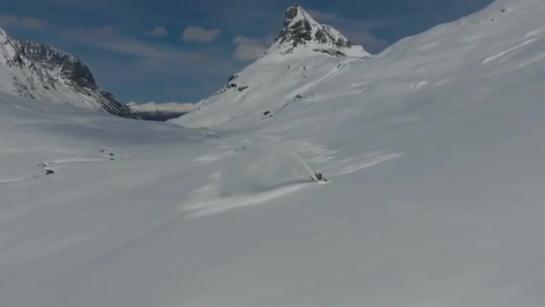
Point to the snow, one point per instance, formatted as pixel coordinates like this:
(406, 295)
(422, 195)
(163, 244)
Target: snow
(172, 107)
(435, 194)
(507, 51)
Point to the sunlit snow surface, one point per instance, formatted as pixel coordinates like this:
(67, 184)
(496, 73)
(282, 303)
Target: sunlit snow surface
(433, 150)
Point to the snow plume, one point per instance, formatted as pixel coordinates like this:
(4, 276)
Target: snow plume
(200, 35)
(304, 167)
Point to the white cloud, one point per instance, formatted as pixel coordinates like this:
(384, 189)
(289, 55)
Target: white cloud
(157, 32)
(102, 33)
(30, 23)
(146, 57)
(110, 39)
(248, 49)
(200, 35)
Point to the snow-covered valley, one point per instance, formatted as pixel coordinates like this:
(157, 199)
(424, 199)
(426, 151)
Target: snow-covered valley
(433, 153)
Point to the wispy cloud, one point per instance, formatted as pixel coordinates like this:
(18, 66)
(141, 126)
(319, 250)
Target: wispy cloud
(248, 49)
(161, 56)
(157, 32)
(200, 35)
(26, 22)
(110, 39)
(168, 69)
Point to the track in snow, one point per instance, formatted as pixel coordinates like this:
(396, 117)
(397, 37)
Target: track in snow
(48, 167)
(218, 195)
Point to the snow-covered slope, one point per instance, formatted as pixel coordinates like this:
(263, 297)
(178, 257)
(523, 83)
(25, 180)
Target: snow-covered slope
(497, 41)
(47, 74)
(160, 111)
(434, 154)
(161, 107)
(304, 54)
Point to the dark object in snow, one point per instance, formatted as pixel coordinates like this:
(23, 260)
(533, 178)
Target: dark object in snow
(299, 97)
(49, 172)
(320, 177)
(233, 77)
(242, 88)
(266, 113)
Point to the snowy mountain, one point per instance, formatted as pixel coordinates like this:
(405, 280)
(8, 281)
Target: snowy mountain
(47, 74)
(301, 34)
(304, 54)
(433, 151)
(477, 48)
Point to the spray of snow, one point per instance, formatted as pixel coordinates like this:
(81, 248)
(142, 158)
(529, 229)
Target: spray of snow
(303, 166)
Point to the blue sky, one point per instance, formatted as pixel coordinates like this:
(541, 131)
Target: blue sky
(184, 50)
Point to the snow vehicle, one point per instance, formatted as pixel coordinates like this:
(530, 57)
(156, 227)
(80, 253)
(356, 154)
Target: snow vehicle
(319, 178)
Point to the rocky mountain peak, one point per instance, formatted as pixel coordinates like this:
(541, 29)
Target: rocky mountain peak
(295, 13)
(42, 72)
(301, 30)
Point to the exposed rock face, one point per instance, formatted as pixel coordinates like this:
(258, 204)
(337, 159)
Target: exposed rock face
(300, 30)
(70, 67)
(42, 72)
